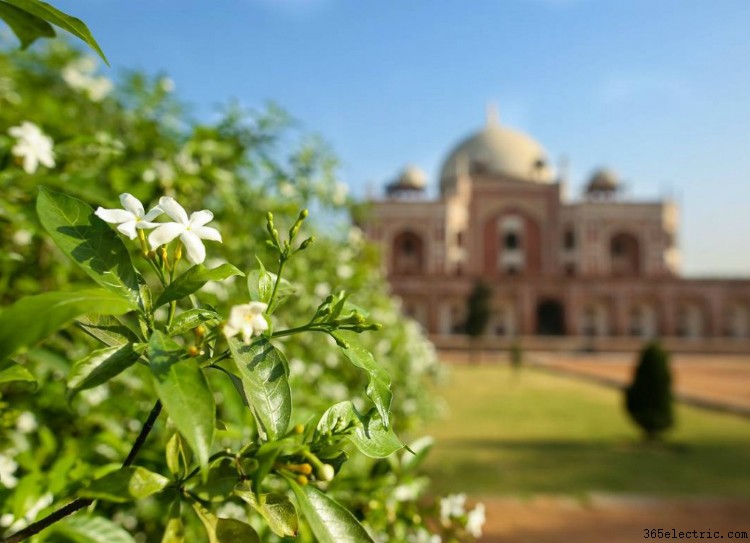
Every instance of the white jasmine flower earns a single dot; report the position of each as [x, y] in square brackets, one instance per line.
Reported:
[33, 146]
[246, 319]
[452, 506]
[8, 468]
[475, 520]
[340, 191]
[79, 76]
[22, 238]
[14, 524]
[406, 492]
[133, 217]
[126, 520]
[95, 396]
[148, 176]
[286, 189]
[356, 236]
[26, 423]
[167, 84]
[190, 230]
[344, 271]
[423, 536]
[322, 290]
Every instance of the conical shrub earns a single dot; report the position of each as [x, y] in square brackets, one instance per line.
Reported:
[649, 398]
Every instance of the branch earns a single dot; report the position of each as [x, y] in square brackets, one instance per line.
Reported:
[80, 503]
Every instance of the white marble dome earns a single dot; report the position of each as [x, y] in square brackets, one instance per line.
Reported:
[498, 150]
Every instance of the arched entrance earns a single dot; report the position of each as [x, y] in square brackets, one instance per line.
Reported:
[550, 318]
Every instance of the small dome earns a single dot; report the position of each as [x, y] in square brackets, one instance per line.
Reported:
[603, 180]
[498, 150]
[410, 179]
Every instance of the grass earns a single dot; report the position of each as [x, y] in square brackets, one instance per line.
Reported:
[531, 433]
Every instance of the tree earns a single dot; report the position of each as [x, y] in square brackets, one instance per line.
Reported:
[477, 312]
[649, 398]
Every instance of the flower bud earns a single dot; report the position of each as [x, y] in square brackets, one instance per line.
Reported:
[326, 472]
[305, 469]
[302, 480]
[305, 244]
[193, 350]
[299, 428]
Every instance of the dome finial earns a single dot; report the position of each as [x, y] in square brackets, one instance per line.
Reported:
[493, 114]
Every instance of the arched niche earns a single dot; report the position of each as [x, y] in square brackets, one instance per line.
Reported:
[550, 318]
[408, 254]
[625, 255]
[512, 243]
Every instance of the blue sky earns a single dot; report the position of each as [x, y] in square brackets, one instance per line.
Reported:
[658, 90]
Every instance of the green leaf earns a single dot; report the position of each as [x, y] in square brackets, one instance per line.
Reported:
[183, 389]
[187, 320]
[83, 528]
[235, 531]
[329, 521]
[106, 329]
[379, 386]
[208, 519]
[46, 12]
[260, 284]
[175, 529]
[10, 372]
[33, 318]
[178, 455]
[90, 243]
[193, 279]
[125, 485]
[24, 25]
[367, 432]
[264, 372]
[276, 508]
[100, 366]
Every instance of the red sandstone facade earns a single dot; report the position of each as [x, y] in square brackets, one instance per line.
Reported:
[601, 268]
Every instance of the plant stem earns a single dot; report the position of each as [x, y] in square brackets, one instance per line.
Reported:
[282, 262]
[80, 503]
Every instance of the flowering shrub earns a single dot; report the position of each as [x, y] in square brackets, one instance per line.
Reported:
[172, 319]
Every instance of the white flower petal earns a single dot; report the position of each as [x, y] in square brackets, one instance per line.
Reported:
[153, 213]
[115, 216]
[196, 251]
[259, 324]
[199, 218]
[174, 210]
[165, 233]
[206, 232]
[30, 163]
[146, 225]
[132, 204]
[128, 228]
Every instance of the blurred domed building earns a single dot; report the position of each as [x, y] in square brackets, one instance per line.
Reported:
[602, 267]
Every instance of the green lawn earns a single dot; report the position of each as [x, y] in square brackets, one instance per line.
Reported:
[540, 433]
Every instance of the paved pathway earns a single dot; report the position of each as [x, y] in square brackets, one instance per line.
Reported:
[609, 519]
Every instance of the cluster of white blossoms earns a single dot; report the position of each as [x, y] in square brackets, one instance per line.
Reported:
[454, 506]
[191, 230]
[32, 146]
[79, 76]
[246, 319]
